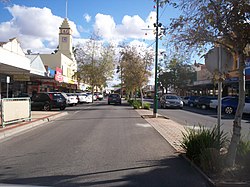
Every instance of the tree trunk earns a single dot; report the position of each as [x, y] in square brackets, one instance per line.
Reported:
[141, 97]
[238, 115]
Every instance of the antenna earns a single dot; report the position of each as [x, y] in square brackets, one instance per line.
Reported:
[66, 9]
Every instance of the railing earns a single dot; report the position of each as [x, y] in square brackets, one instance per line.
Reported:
[14, 110]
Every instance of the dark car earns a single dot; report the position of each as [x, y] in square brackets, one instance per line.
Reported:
[203, 102]
[47, 101]
[114, 98]
[191, 101]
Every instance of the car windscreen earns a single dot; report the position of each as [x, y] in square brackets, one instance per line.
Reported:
[114, 96]
[57, 96]
[171, 97]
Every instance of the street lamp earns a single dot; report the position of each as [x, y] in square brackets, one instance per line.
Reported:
[157, 25]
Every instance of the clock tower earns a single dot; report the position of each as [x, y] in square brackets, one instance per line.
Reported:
[65, 39]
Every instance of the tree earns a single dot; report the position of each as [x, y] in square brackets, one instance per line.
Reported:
[95, 63]
[216, 22]
[136, 64]
[177, 75]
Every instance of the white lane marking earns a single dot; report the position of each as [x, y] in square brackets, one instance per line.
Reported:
[143, 125]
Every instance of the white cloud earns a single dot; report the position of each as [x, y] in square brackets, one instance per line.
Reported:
[87, 17]
[36, 28]
[132, 27]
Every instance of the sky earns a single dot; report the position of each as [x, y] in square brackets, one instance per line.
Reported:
[36, 23]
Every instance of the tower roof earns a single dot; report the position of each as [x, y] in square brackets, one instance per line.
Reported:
[65, 24]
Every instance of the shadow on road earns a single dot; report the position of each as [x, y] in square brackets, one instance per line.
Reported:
[172, 171]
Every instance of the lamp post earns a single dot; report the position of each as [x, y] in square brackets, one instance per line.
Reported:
[156, 59]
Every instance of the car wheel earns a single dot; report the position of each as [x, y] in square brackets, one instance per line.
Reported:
[228, 110]
[47, 107]
[203, 107]
[108, 103]
[191, 104]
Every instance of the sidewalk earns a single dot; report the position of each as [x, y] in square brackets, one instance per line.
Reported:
[37, 118]
[170, 130]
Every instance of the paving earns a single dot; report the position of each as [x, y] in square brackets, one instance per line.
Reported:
[170, 130]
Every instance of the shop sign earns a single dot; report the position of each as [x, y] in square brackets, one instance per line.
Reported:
[58, 76]
[51, 73]
[21, 77]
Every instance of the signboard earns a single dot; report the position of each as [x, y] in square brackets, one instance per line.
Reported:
[58, 76]
[20, 77]
[51, 73]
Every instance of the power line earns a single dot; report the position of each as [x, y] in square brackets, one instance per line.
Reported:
[151, 44]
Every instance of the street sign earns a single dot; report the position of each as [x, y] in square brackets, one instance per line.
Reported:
[214, 56]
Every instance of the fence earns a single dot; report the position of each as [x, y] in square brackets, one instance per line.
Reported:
[14, 110]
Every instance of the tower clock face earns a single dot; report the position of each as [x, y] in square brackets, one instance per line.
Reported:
[64, 39]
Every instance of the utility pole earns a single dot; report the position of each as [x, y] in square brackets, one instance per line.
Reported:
[156, 60]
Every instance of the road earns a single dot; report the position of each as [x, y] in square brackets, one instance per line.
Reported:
[191, 117]
[95, 145]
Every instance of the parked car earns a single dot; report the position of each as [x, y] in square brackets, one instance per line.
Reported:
[48, 100]
[99, 95]
[203, 102]
[185, 100]
[191, 100]
[114, 98]
[94, 96]
[229, 105]
[214, 103]
[171, 101]
[84, 98]
[71, 99]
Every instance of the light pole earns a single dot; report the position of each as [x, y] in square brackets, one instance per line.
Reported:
[156, 59]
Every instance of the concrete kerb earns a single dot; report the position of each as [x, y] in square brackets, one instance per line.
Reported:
[172, 133]
[28, 125]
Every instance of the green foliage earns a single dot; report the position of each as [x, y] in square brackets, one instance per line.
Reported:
[243, 152]
[137, 104]
[211, 161]
[130, 101]
[95, 62]
[196, 141]
[146, 106]
[177, 74]
[135, 66]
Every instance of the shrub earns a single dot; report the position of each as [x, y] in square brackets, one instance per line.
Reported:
[146, 106]
[136, 104]
[243, 152]
[211, 161]
[196, 141]
[130, 101]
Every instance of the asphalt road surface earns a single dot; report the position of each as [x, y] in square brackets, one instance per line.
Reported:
[95, 145]
[191, 116]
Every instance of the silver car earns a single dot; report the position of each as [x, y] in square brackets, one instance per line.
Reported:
[171, 101]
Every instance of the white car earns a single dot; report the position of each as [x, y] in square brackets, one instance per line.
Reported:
[94, 96]
[71, 99]
[99, 95]
[84, 98]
